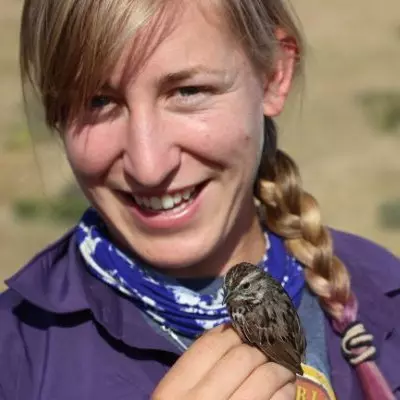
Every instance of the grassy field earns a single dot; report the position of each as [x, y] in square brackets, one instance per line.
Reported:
[345, 135]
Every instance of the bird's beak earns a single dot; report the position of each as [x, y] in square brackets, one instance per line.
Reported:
[227, 296]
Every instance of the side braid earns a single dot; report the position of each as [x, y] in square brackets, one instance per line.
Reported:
[289, 211]
[294, 214]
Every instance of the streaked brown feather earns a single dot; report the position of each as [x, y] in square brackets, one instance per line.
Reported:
[264, 316]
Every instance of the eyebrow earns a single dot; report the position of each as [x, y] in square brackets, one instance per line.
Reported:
[179, 76]
[174, 78]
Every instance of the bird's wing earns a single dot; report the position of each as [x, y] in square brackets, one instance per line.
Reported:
[279, 345]
[279, 352]
[301, 341]
[283, 354]
[245, 332]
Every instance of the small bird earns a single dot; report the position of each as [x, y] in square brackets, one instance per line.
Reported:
[264, 316]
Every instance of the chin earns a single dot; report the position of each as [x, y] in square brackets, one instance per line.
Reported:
[182, 258]
[175, 257]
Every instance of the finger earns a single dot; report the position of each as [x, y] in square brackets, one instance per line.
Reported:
[288, 392]
[265, 382]
[201, 356]
[229, 373]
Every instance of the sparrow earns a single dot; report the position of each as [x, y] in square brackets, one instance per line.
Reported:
[264, 316]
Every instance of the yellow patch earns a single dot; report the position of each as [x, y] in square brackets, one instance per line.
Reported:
[313, 385]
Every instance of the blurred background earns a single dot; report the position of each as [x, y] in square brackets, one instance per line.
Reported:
[342, 127]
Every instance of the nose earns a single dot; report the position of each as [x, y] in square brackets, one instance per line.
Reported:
[151, 155]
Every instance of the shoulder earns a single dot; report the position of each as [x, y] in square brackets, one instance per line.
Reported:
[360, 249]
[23, 299]
[28, 307]
[52, 279]
[363, 256]
[11, 345]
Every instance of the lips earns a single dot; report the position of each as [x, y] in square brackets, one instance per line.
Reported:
[150, 214]
[167, 201]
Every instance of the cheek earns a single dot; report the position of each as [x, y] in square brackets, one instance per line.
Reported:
[92, 150]
[230, 135]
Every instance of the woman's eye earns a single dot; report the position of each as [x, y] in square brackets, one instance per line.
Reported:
[99, 101]
[103, 108]
[189, 91]
[188, 97]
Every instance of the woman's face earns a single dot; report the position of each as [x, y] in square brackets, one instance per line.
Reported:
[171, 150]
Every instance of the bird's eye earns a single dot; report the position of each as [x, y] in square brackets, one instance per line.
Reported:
[246, 286]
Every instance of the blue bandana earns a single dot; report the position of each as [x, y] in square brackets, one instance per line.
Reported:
[169, 304]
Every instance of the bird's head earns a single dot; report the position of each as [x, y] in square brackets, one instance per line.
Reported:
[245, 283]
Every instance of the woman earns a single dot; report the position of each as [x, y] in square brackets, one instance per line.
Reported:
[166, 109]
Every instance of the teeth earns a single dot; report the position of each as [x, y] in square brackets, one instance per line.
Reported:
[165, 202]
[186, 194]
[145, 201]
[138, 200]
[177, 198]
[155, 203]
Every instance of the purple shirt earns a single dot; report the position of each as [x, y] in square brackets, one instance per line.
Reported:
[65, 335]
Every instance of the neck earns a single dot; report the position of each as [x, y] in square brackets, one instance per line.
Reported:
[245, 242]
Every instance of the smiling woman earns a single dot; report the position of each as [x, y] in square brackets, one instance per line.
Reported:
[166, 110]
[187, 123]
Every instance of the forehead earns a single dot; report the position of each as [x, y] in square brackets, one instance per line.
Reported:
[195, 35]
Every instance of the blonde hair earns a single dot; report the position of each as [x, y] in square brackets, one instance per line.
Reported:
[68, 48]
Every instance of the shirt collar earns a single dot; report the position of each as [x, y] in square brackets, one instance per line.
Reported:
[58, 281]
[50, 280]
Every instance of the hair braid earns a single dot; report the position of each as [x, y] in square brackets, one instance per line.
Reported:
[289, 211]
[294, 214]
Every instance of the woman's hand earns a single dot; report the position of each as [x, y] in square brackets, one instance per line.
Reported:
[219, 366]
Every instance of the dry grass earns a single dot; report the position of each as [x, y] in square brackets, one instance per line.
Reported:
[349, 166]
[354, 47]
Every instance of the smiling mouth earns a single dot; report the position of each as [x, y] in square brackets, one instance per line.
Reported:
[176, 201]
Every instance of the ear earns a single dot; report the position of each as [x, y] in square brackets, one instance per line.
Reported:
[277, 84]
